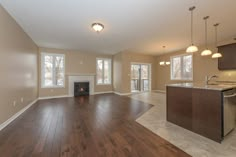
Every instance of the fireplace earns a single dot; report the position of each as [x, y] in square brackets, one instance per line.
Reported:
[81, 88]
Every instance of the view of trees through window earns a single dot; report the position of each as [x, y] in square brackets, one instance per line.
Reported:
[181, 67]
[139, 77]
[103, 71]
[52, 70]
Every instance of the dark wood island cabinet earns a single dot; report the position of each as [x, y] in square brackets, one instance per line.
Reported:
[197, 109]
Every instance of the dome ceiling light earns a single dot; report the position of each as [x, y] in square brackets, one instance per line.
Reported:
[192, 48]
[217, 54]
[206, 52]
[98, 27]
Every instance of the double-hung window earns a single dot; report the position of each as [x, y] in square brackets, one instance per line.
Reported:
[52, 70]
[103, 71]
[182, 67]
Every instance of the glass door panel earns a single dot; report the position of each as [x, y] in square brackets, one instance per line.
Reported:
[140, 77]
[145, 77]
[135, 78]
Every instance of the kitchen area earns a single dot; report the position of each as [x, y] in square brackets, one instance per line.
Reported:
[207, 107]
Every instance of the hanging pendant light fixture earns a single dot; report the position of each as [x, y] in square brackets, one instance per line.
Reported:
[167, 62]
[192, 47]
[217, 54]
[162, 63]
[206, 52]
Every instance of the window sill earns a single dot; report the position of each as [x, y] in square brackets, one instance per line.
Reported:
[181, 80]
[103, 84]
[53, 87]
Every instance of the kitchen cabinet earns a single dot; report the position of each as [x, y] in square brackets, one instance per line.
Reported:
[198, 110]
[207, 113]
[179, 110]
[228, 59]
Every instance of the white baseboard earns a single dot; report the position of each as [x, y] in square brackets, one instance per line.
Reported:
[7, 122]
[53, 97]
[122, 94]
[106, 92]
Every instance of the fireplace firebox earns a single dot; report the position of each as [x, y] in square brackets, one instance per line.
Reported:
[81, 88]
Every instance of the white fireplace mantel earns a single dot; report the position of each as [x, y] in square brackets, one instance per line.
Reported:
[72, 78]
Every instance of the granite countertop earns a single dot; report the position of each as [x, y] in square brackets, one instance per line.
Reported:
[219, 87]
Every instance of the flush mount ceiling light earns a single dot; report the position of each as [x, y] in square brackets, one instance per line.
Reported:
[192, 48]
[206, 52]
[98, 27]
[217, 54]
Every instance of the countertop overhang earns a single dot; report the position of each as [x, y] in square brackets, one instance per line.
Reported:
[219, 87]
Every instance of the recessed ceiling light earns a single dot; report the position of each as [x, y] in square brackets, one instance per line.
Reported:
[98, 27]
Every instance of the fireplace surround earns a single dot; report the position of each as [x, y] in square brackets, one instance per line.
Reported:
[72, 78]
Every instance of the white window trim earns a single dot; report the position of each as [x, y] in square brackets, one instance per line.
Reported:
[181, 69]
[103, 71]
[42, 69]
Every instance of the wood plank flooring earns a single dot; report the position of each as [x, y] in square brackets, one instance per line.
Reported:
[89, 126]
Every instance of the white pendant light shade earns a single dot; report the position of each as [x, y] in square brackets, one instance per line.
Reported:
[206, 52]
[162, 63]
[192, 49]
[216, 55]
[168, 63]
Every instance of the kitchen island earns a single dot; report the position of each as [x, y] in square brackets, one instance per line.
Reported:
[201, 108]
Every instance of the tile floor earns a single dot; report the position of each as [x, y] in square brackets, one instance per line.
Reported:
[191, 143]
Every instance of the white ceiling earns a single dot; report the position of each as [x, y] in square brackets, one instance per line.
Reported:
[142, 26]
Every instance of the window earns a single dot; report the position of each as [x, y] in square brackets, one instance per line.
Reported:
[52, 72]
[181, 67]
[103, 71]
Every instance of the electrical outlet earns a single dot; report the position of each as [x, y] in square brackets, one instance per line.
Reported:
[14, 103]
[22, 100]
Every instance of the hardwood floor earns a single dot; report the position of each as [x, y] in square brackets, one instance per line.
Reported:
[91, 126]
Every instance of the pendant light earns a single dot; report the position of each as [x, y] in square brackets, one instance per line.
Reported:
[206, 52]
[192, 47]
[217, 54]
[162, 63]
[167, 62]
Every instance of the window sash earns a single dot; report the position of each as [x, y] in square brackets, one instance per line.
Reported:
[103, 77]
[53, 73]
[182, 68]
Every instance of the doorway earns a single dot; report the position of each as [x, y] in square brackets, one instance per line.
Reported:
[140, 77]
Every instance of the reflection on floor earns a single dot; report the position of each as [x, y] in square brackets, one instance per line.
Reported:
[193, 144]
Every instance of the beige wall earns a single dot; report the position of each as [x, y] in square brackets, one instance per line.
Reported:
[202, 66]
[75, 63]
[122, 66]
[117, 72]
[18, 59]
